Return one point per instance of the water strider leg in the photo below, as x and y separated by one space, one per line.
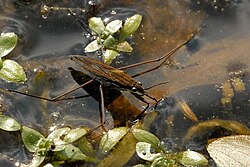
59 97
165 57
102 109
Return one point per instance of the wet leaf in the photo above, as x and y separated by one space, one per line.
37 161
191 158
130 26
124 47
72 153
143 151
86 147
9 124
122 153
110 42
96 25
114 26
109 56
93 46
56 134
140 165
1 63
145 136
12 72
111 138
163 162
31 138
74 135
231 151
8 42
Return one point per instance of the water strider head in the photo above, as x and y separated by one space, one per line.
138 89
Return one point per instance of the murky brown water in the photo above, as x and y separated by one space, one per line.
219 54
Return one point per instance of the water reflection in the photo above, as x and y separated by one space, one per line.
205 64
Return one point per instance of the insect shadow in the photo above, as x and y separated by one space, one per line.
116 78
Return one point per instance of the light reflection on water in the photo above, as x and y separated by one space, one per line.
46 43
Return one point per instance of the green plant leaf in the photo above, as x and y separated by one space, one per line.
93 46
1 63
191 158
124 47
74 135
114 26
9 124
31 138
12 72
145 136
109 56
96 25
130 26
71 153
230 151
111 138
86 147
56 134
163 162
143 151
8 42
110 42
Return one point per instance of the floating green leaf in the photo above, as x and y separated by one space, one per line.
109 56
71 153
86 147
163 162
8 42
56 134
143 150
111 138
74 135
231 151
12 72
110 42
130 26
124 47
31 138
191 158
1 63
9 124
96 25
114 26
93 46
145 136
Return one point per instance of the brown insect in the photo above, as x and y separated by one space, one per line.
115 77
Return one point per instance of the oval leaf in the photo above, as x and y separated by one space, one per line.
1 63
111 138
114 26
110 42
231 151
143 150
93 46
96 25
56 134
9 124
109 56
8 42
191 158
36 161
31 138
145 136
162 162
71 153
131 25
74 135
12 72
124 47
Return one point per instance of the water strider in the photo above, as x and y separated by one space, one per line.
115 77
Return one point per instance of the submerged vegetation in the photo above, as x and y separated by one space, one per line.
136 144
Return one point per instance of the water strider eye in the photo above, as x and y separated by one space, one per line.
134 89
139 83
